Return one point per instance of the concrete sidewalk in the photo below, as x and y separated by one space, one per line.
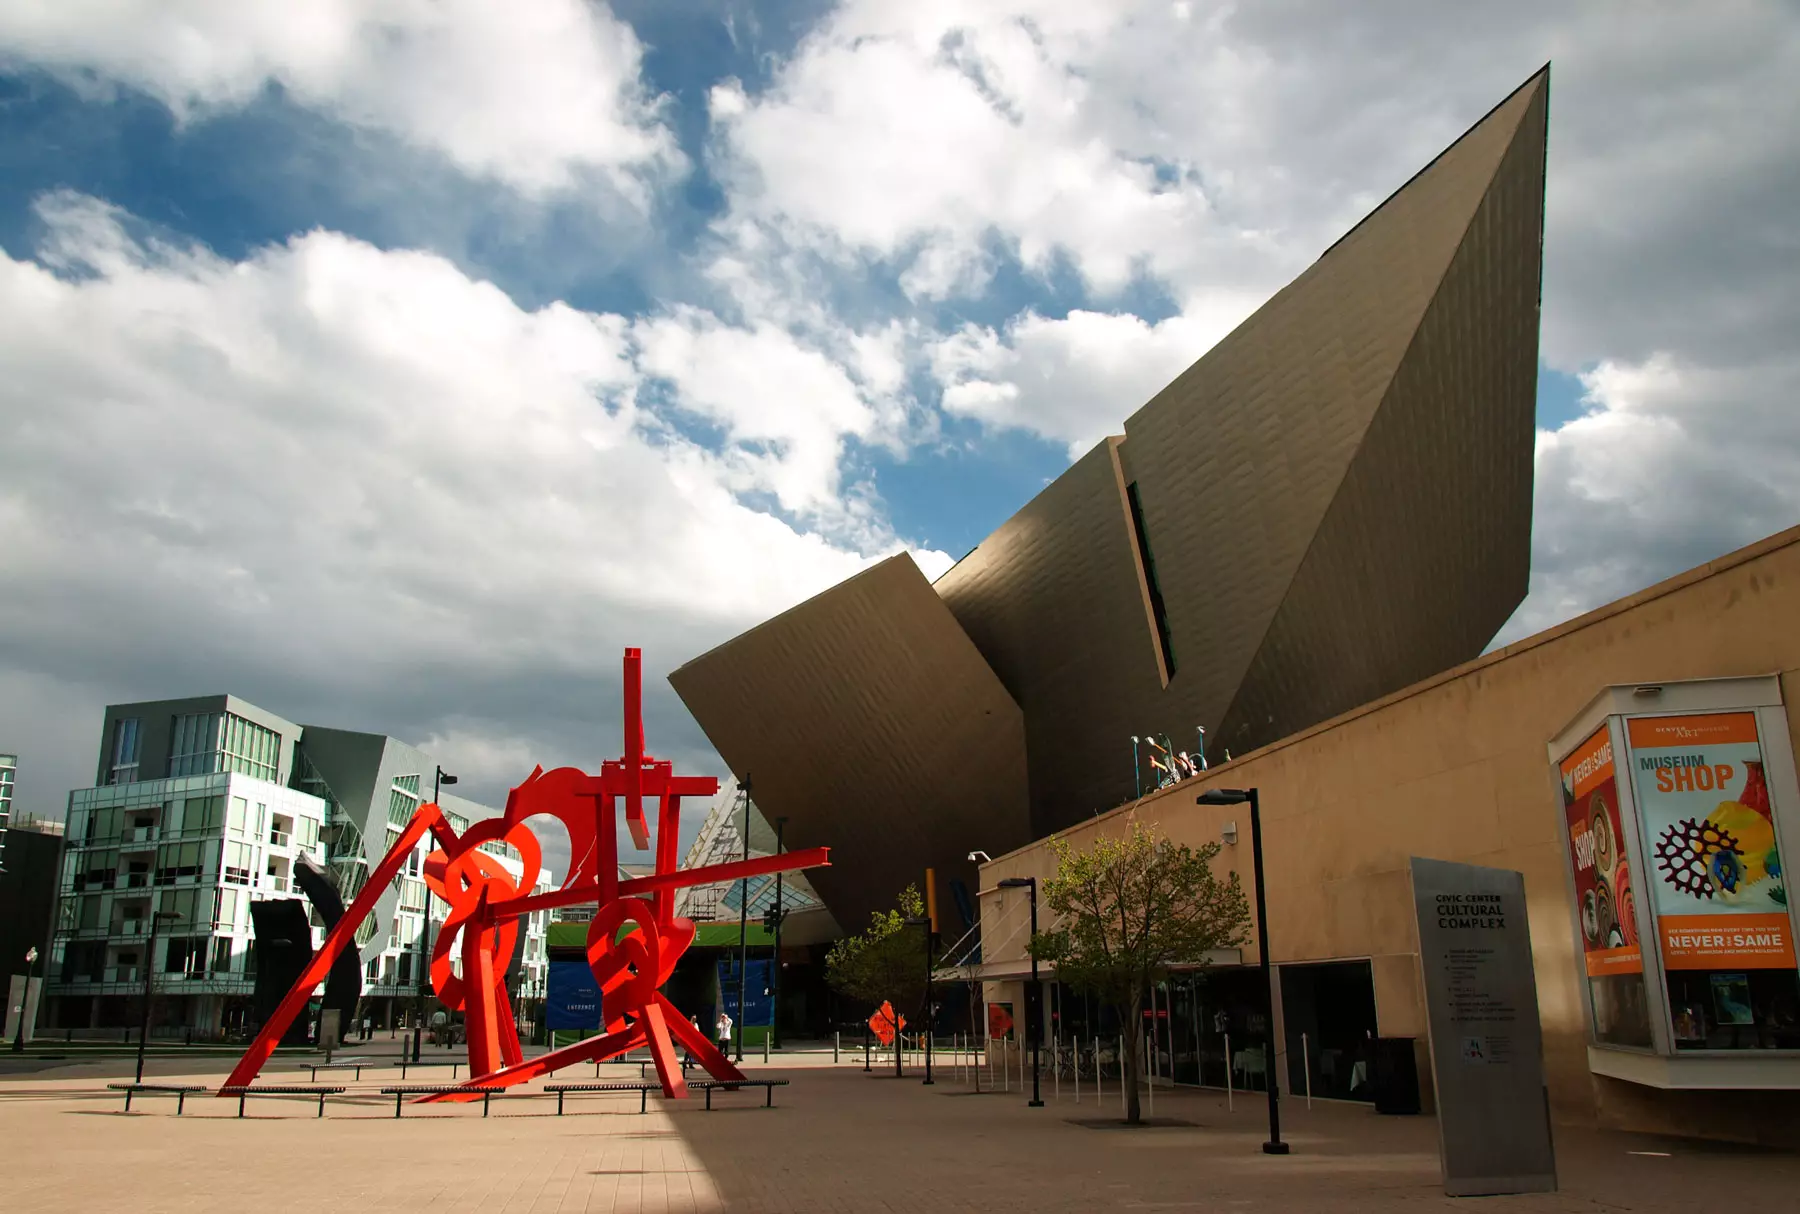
837 1140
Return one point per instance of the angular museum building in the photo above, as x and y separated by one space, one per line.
1333 503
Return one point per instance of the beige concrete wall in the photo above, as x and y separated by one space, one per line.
1455 768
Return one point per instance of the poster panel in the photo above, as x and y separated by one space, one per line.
1604 891
1486 1041
1721 896
571 997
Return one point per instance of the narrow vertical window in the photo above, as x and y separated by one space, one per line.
1157 610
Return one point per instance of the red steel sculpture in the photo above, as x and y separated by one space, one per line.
633 941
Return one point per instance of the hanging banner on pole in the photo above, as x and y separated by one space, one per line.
571 998
1486 1042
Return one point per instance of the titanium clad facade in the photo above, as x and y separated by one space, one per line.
1331 504
868 720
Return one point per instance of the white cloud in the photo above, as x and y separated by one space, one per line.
1077 378
914 133
1672 465
329 475
536 94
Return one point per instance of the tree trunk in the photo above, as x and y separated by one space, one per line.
1130 1068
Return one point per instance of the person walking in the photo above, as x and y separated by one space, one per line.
723 1031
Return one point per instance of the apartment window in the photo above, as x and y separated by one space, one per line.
1157 610
403 800
177 861
306 832
194 744
227 914
250 748
104 823
234 818
186 955
221 955
239 859
124 766
203 813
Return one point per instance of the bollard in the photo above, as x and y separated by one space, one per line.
766 1037
1099 1075
1076 1057
837 1044
1150 1078
1306 1065
1227 1072
1056 1068
1124 1096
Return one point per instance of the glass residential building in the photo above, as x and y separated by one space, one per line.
201 807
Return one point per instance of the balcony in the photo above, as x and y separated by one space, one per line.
280 838
123 973
280 885
138 838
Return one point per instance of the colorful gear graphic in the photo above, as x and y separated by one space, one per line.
1684 854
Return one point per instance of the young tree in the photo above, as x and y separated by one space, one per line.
886 962
1127 909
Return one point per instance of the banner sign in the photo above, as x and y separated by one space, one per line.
1000 1021
1603 884
1486 1042
1720 893
571 997
759 1004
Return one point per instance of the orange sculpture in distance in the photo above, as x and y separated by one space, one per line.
633 941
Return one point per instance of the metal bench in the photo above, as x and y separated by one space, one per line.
178 1090
244 1091
347 1064
709 1086
642 1089
401 1091
404 1063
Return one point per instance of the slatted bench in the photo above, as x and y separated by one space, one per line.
709 1086
642 1089
452 1064
347 1064
243 1091
401 1091
178 1090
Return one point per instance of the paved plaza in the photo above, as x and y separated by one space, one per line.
836 1140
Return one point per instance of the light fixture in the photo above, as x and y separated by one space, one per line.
982 856
1648 689
1229 834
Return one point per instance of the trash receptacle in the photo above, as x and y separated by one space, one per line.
1396 1076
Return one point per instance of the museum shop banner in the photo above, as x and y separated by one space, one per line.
1486 1043
1721 900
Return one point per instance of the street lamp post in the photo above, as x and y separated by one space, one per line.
743 928
439 778
924 922
31 956
1240 796
156 917
775 966
1029 885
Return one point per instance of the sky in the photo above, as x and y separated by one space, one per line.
394 364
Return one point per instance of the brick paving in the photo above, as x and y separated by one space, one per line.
837 1140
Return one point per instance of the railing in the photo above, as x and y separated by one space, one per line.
278 884
280 838
137 835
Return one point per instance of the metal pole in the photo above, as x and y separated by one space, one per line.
1137 769
1274 1146
1037 992
149 992
775 974
437 780
743 926
1149 1079
926 1028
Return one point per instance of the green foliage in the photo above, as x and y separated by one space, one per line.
886 962
1126 909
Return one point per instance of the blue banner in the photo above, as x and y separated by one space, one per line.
573 999
759 1004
